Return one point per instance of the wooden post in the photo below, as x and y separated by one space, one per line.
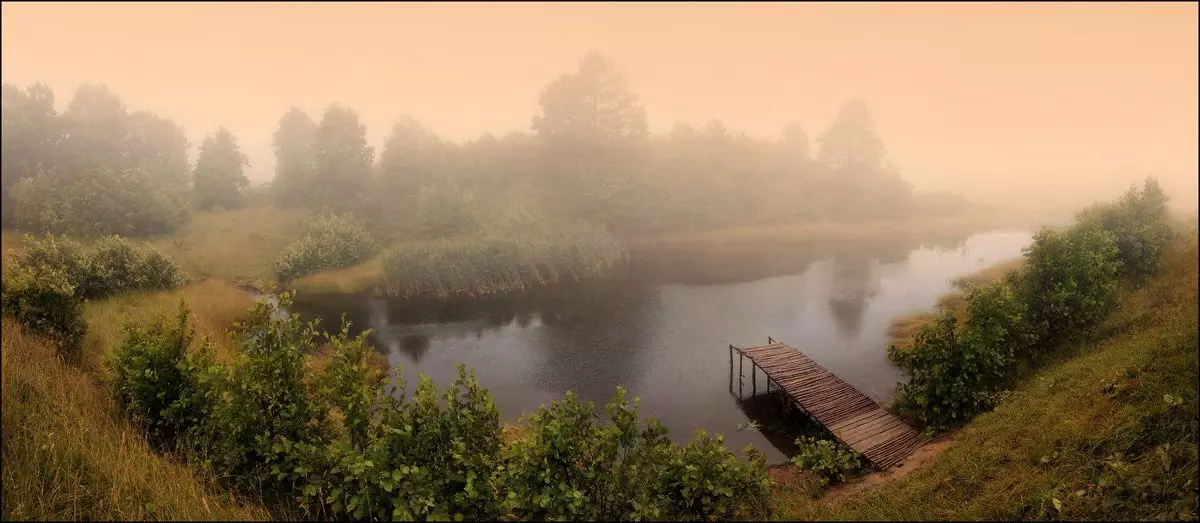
753 379
741 357
731 368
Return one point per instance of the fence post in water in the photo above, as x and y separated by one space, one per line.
731 368
753 378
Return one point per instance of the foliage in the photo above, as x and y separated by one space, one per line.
42 298
295 164
568 467
1064 288
150 379
446 210
331 241
103 200
1139 224
493 264
218 178
832 460
31 130
1069 280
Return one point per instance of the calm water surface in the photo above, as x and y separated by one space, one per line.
662 328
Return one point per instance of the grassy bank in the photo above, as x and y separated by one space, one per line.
70 455
240 244
1107 431
214 306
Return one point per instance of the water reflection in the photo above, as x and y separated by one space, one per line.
661 327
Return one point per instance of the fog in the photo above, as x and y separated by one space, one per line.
1054 104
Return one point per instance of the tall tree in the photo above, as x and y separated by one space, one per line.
850 143
412 156
31 132
219 178
159 146
795 142
593 128
295 165
342 158
97 132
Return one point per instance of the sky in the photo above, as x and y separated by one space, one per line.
1058 103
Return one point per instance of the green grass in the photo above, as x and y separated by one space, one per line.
241 244
69 454
1096 429
904 328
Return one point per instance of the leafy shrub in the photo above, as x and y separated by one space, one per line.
41 297
345 446
114 265
1139 223
151 377
269 397
132 202
571 468
1068 281
832 460
330 241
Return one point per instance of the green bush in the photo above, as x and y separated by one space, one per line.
345 446
330 241
832 460
152 378
1068 281
446 210
131 202
112 266
1140 224
571 468
41 297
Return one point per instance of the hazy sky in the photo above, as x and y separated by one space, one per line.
994 100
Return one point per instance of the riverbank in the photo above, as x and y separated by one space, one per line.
1106 431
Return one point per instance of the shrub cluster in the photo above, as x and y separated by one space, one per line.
131 202
44 286
832 460
343 442
479 266
330 241
1065 288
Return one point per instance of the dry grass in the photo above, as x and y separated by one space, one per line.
988 275
366 276
214 306
1057 436
240 244
69 455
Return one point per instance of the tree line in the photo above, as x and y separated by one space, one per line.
588 156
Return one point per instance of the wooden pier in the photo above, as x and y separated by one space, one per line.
852 417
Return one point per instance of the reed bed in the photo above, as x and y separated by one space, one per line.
492 264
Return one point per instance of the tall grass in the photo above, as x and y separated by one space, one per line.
69 455
492 264
241 244
214 306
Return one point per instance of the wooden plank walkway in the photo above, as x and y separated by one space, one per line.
852 417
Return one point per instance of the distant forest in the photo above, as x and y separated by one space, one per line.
98 168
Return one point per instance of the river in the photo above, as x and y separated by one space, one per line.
662 326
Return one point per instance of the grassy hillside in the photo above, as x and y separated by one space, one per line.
1108 431
70 455
233 245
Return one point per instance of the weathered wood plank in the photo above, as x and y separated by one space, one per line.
853 417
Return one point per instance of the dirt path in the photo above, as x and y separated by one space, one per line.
913 462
